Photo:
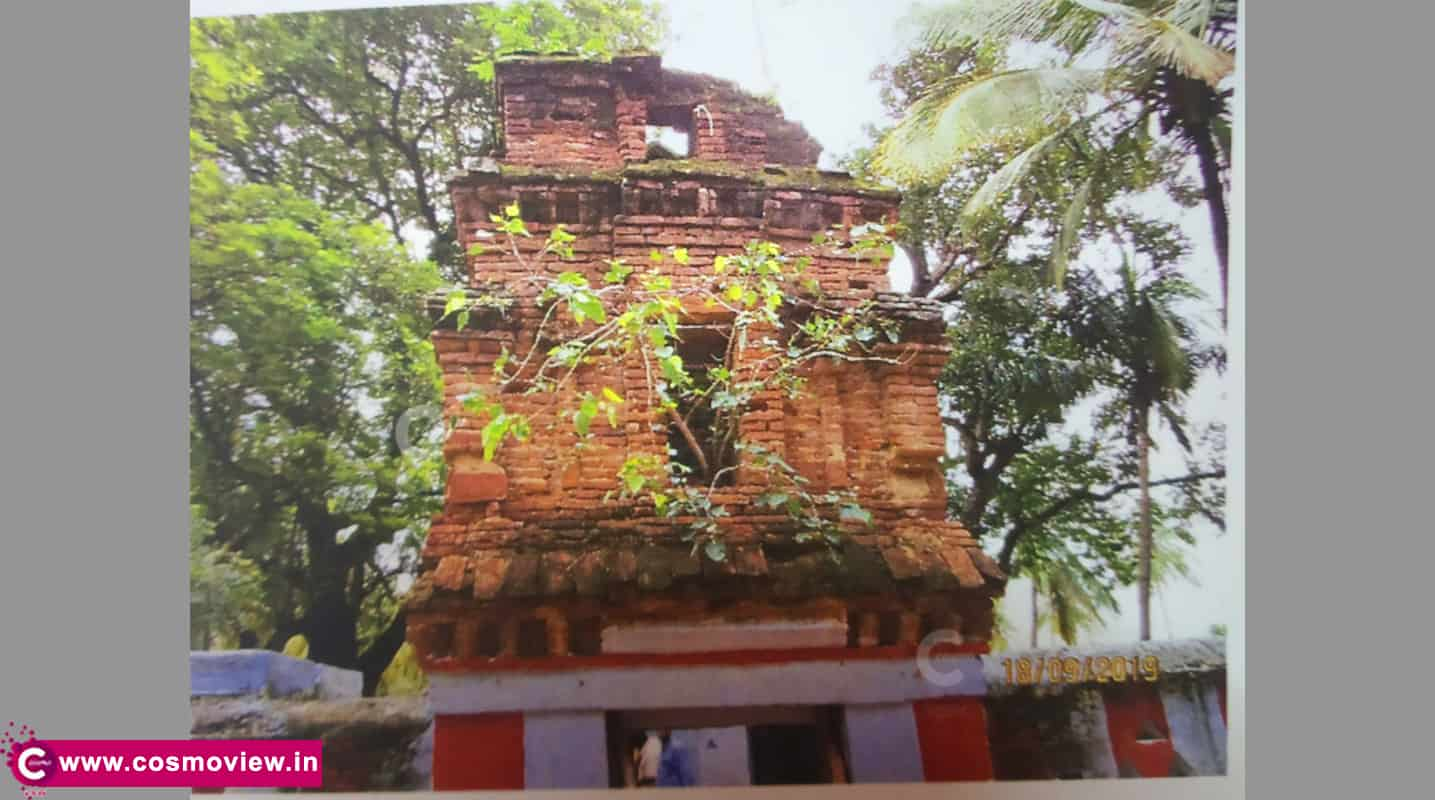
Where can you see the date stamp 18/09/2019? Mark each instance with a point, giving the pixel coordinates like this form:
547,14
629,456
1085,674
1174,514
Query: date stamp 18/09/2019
1029,671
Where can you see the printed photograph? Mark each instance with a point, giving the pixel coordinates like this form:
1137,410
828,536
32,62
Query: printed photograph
612,394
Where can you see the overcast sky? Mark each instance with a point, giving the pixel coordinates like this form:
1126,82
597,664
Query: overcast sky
817,56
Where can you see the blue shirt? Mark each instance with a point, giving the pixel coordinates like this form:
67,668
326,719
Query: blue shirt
676,766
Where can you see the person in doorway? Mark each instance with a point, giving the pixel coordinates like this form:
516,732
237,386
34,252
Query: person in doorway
676,767
650,756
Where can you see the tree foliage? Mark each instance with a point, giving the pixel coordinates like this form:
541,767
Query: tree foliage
305,345
370,111
1046,489
1128,73
226,591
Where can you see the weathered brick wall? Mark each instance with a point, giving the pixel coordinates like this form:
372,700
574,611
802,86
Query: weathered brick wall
538,533
561,111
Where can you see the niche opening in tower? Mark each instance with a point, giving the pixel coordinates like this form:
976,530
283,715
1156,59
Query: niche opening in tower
667,133
703,436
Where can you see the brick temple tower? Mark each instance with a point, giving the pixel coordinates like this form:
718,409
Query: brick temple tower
556,625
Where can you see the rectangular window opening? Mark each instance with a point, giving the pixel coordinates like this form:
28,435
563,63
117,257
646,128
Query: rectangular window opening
532,638
441,645
490,639
585,636
667,142
708,421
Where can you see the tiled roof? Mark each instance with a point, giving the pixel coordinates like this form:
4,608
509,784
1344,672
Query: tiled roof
927,556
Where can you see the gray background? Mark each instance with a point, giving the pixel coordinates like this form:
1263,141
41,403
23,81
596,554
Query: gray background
93,595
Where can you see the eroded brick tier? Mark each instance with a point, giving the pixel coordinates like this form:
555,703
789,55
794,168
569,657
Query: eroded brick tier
529,543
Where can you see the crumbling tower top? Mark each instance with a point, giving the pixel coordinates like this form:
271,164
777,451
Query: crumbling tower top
568,112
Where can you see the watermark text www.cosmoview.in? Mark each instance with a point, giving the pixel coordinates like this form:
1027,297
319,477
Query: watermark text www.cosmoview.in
39,765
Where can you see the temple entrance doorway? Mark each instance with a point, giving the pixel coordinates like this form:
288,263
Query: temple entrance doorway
767,746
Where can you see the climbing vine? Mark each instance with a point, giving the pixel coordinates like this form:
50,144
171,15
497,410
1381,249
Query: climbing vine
764,320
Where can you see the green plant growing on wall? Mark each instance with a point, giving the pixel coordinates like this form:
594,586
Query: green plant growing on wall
774,324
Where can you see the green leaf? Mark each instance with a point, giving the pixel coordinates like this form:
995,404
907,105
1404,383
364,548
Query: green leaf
716,550
457,299
617,272
673,371
583,417
720,265
680,255
587,305
492,435
851,512
611,396
634,481
483,70
772,499
1070,228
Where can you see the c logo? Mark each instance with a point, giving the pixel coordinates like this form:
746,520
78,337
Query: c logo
929,671
35,764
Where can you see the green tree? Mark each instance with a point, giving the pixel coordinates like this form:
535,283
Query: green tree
1156,357
1121,67
226,590
1042,488
369,111
305,346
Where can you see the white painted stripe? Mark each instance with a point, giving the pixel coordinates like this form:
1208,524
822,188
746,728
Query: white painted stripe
882,744
1190,730
702,686
718,637
565,751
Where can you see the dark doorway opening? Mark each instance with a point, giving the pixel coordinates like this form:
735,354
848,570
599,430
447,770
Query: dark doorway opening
786,755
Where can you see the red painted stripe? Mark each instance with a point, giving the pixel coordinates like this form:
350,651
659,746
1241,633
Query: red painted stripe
721,658
952,732
1129,709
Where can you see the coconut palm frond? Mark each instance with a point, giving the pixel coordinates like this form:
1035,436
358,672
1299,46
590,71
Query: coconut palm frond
1070,230
1015,170
1191,16
1075,602
1106,8
1012,173
1168,41
952,24
963,114
1168,558
1168,352
1166,44
1177,424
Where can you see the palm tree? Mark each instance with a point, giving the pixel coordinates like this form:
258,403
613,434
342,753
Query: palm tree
1075,602
1156,360
1126,64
